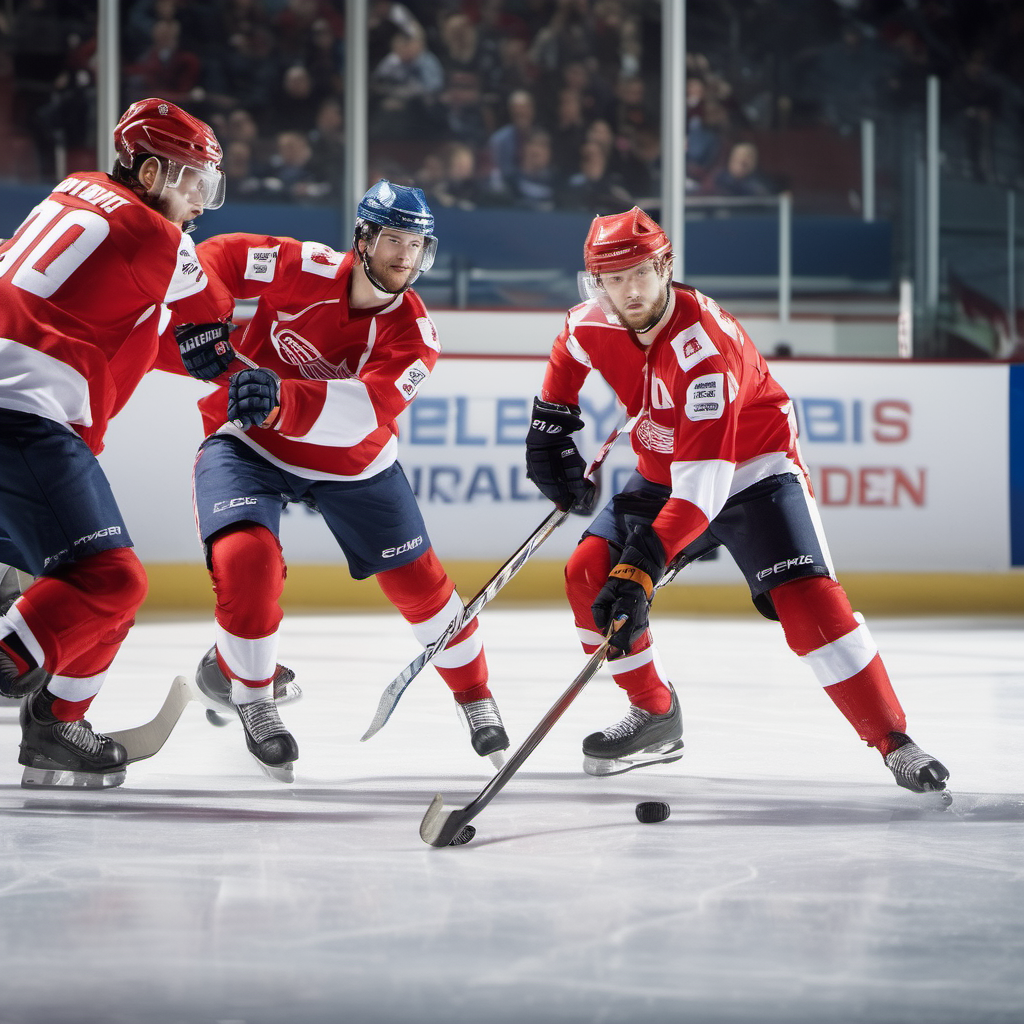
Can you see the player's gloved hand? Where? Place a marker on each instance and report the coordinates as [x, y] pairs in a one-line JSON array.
[[627, 593], [553, 461], [253, 397], [205, 350]]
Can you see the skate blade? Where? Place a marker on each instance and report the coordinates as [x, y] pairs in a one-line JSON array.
[[663, 753], [279, 773], [64, 778], [498, 758]]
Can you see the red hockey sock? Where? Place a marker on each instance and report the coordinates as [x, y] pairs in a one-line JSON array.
[[823, 631], [80, 614], [426, 599], [248, 572]]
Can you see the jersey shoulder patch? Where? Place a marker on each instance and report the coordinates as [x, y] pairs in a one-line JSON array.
[[411, 379], [692, 345], [321, 259], [261, 263]]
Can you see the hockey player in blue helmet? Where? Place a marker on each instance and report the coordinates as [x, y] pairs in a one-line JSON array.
[[392, 222], [338, 347]]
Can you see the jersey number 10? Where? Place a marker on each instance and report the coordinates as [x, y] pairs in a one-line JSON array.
[[52, 243]]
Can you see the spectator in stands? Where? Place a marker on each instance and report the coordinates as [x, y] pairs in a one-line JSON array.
[[461, 48], [405, 87], [568, 130], [248, 70], [458, 185], [740, 176], [505, 145], [239, 174], [166, 70], [703, 133], [292, 174], [385, 20], [463, 114], [294, 104], [631, 110], [328, 141], [594, 186], [294, 27], [533, 184]]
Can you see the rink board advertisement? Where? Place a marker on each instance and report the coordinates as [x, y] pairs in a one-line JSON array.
[[911, 463]]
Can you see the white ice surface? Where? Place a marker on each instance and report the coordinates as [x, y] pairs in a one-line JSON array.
[[793, 882]]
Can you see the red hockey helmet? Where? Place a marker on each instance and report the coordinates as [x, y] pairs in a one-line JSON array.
[[159, 128], [622, 240]]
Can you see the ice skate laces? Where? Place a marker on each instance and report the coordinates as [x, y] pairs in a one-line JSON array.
[[81, 736], [261, 719], [636, 718], [480, 714]]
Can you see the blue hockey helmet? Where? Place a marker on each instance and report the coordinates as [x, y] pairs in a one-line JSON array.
[[388, 205]]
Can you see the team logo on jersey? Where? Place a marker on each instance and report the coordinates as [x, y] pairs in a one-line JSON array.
[[654, 436], [320, 259], [261, 264], [705, 397], [293, 348], [410, 381]]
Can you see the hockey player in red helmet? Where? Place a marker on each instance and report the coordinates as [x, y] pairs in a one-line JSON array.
[[718, 464], [86, 283]]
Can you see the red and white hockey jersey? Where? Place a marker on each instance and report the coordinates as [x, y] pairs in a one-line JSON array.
[[346, 374], [713, 420], [83, 283]]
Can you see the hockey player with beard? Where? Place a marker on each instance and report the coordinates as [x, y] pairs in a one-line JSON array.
[[717, 464], [342, 345], [84, 287]]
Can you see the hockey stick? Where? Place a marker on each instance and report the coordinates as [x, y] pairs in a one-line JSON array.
[[440, 831], [393, 691], [146, 740]]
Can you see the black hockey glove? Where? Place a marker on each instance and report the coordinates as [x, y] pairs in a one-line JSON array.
[[553, 461], [252, 396], [205, 350], [627, 593]]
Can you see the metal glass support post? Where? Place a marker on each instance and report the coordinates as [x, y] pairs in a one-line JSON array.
[[785, 255], [867, 168], [931, 253], [673, 129], [354, 182], [108, 77]]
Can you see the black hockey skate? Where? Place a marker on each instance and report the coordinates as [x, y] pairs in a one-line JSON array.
[[915, 770], [269, 742], [58, 754], [486, 731], [214, 689], [639, 739]]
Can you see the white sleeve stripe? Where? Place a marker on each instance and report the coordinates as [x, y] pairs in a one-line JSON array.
[[705, 484], [842, 658], [347, 416]]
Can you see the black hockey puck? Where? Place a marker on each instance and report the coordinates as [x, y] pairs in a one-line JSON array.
[[651, 811], [464, 836]]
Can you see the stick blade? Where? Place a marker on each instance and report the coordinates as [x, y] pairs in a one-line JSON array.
[[389, 701], [438, 828], [146, 740]]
